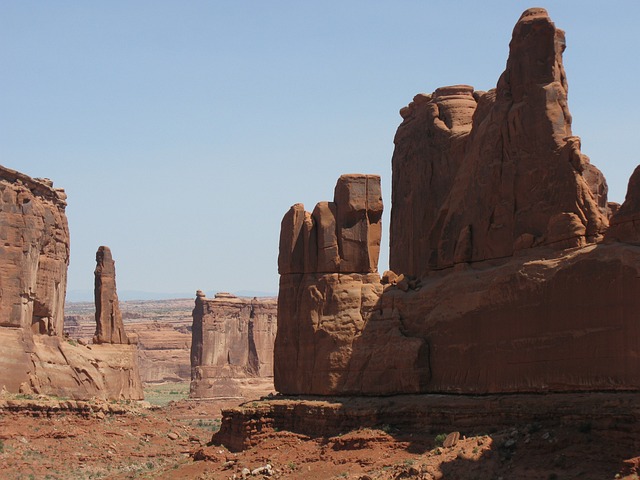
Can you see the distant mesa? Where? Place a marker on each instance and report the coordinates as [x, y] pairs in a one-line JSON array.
[[232, 341], [510, 270]]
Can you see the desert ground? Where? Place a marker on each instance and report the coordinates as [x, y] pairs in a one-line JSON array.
[[169, 436]]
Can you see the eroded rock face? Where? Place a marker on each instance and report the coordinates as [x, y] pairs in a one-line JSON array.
[[35, 357], [34, 253], [342, 236], [501, 280], [323, 306], [625, 222], [109, 326], [232, 339], [480, 175]]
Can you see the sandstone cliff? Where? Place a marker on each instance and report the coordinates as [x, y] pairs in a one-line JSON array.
[[329, 292], [232, 339], [501, 279], [480, 175], [35, 358]]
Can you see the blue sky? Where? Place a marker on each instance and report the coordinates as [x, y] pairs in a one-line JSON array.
[[183, 131]]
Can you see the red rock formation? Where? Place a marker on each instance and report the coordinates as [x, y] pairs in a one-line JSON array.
[[109, 326], [162, 329], [625, 222], [249, 424], [342, 236], [232, 339], [34, 253], [494, 172], [501, 281], [35, 358], [325, 304]]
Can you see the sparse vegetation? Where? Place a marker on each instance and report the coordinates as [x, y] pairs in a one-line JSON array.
[[162, 394], [386, 428], [213, 425], [439, 440]]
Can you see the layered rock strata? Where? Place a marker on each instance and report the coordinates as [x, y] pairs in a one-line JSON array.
[[232, 340], [408, 415], [35, 357], [34, 253], [501, 279]]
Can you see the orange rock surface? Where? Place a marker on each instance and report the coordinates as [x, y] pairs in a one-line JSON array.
[[501, 279], [35, 357], [109, 326], [232, 340]]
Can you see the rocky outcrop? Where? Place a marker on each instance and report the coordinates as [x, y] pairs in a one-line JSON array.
[[109, 326], [35, 357], [625, 222], [329, 292], [501, 279], [34, 253], [247, 425], [232, 339], [481, 175], [342, 236]]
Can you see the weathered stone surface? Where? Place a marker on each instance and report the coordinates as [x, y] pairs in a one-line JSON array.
[[332, 338], [479, 175], [322, 418], [500, 280], [232, 339], [342, 236], [625, 222], [109, 326], [546, 321], [35, 358], [322, 345], [34, 254]]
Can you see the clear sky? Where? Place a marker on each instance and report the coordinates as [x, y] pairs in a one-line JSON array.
[[183, 131]]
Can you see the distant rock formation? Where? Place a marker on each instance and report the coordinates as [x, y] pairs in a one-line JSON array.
[[161, 328], [232, 339], [505, 277], [35, 357], [109, 326]]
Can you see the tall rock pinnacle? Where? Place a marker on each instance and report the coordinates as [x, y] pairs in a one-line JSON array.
[[109, 326], [479, 175]]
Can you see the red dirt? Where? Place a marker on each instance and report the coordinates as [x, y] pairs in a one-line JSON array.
[[138, 444]]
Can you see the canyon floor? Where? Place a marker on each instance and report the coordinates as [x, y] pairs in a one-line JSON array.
[[171, 439]]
